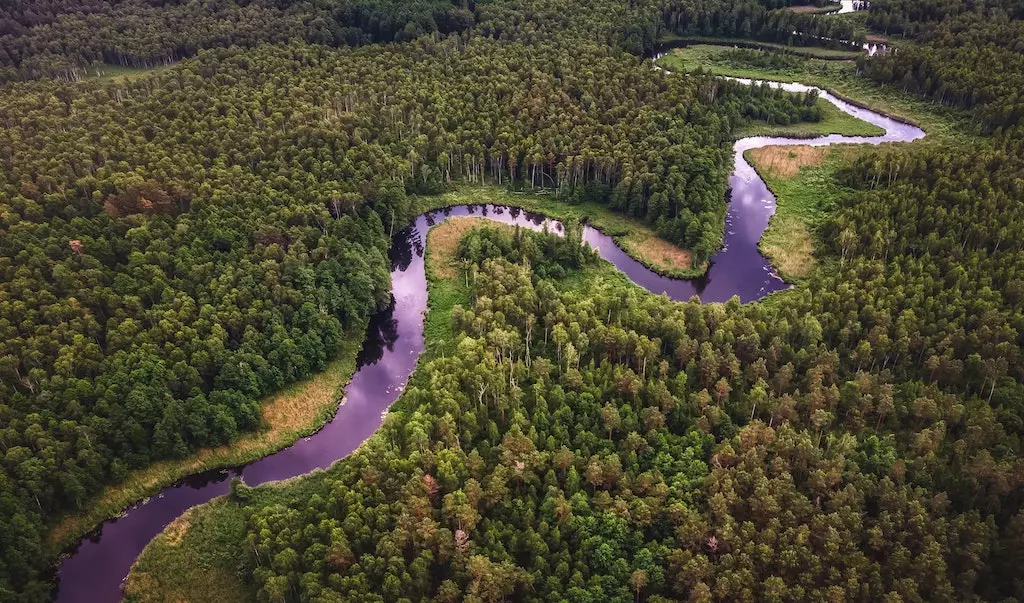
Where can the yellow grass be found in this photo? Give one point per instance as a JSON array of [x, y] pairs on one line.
[[785, 162], [294, 412], [176, 530], [803, 180], [188, 564], [443, 242], [656, 252], [790, 246], [209, 587]]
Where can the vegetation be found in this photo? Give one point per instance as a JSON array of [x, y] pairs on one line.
[[792, 52], [966, 59], [71, 38], [638, 239], [803, 180], [195, 558], [833, 121], [615, 463], [809, 8], [119, 73], [841, 78], [746, 19], [295, 412], [178, 247]]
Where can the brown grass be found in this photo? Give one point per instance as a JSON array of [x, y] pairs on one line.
[[207, 586], [443, 242], [657, 252], [177, 529], [291, 413], [785, 162], [790, 246]]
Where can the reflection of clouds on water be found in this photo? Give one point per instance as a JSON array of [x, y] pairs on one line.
[[395, 339]]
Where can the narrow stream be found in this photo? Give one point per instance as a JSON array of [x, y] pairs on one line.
[[96, 568]]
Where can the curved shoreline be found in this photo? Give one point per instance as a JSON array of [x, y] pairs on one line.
[[88, 571], [71, 537]]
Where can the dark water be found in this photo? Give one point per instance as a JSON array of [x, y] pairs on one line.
[[95, 570]]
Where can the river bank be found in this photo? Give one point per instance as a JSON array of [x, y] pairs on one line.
[[737, 270], [297, 411]]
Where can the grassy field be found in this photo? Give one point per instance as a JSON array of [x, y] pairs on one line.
[[196, 558], [294, 412], [446, 281], [805, 51], [636, 238], [840, 77], [815, 10], [802, 178]]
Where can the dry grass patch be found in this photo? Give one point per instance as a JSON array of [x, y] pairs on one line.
[[789, 245], [175, 530], [294, 412], [212, 585], [443, 243], [658, 253], [196, 558], [786, 162]]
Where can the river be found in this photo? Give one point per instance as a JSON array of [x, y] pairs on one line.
[[94, 571]]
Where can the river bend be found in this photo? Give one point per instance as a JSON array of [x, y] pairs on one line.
[[94, 571]]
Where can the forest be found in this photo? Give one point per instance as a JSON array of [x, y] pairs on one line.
[[64, 38], [178, 245]]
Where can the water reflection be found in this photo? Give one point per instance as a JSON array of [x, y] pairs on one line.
[[381, 335], [394, 340]]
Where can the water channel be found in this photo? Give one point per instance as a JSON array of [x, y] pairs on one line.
[[94, 571]]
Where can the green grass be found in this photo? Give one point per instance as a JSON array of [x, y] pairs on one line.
[[636, 238], [803, 180], [447, 288], [839, 77], [196, 558], [120, 73], [805, 51], [834, 122], [816, 10], [294, 412], [202, 557]]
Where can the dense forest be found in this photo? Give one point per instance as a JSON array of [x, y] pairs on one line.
[[609, 445], [951, 42], [856, 438], [174, 247], [757, 20], [65, 37]]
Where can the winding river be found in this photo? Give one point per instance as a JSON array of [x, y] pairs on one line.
[[95, 570]]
